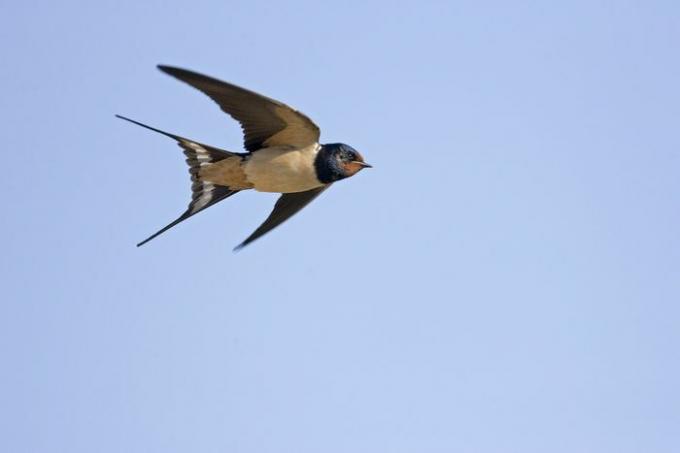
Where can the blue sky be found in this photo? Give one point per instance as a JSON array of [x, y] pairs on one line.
[[506, 279]]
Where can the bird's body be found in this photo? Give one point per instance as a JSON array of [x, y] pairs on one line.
[[278, 169], [284, 155], [284, 170]]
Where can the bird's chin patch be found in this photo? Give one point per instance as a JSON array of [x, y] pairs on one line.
[[352, 168]]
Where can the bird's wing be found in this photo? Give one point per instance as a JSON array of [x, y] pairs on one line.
[[265, 122], [203, 193], [286, 206]]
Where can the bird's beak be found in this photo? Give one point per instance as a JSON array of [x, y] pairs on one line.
[[363, 164]]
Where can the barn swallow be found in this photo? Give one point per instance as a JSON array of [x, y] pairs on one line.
[[283, 155]]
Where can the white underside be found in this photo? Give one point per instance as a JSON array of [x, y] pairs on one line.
[[282, 169]]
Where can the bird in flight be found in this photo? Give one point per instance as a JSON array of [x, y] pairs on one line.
[[283, 155]]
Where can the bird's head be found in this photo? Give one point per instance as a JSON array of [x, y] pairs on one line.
[[337, 161]]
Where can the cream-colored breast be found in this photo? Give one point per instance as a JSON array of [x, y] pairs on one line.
[[282, 169]]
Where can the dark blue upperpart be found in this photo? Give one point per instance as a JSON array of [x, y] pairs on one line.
[[330, 160]]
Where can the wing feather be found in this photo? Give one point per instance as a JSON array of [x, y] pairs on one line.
[[286, 206], [265, 122]]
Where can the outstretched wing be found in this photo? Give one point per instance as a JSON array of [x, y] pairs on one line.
[[286, 206], [265, 121], [203, 193]]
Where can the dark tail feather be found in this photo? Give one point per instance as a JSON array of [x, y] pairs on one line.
[[189, 146], [145, 126], [204, 193], [220, 193]]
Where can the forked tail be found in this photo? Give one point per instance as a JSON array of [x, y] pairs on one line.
[[204, 193]]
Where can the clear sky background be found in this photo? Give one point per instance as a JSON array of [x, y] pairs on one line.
[[506, 279]]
